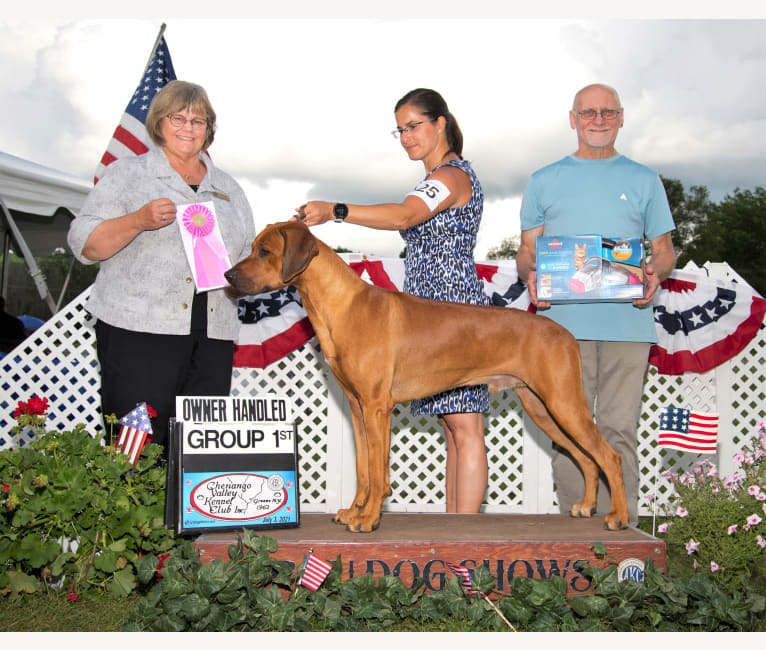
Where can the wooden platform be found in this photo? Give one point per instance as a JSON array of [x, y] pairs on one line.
[[416, 545]]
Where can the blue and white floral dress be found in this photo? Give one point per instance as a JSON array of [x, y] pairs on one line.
[[439, 265]]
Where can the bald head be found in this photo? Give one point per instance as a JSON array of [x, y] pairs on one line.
[[583, 91]]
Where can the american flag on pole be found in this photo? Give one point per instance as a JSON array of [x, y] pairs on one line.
[[133, 433], [314, 573], [130, 137], [688, 431], [465, 578]]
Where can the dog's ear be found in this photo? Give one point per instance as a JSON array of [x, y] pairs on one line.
[[300, 248]]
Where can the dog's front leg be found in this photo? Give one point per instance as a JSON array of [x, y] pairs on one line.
[[377, 424], [345, 515]]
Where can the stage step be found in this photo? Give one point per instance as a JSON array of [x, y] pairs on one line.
[[412, 545]]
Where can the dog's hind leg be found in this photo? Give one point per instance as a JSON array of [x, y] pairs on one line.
[[536, 409], [578, 423]]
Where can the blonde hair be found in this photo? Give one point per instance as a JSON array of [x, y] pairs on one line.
[[178, 96]]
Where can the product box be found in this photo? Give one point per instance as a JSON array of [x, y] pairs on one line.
[[589, 268]]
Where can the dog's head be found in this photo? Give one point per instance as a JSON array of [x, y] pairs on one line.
[[280, 253]]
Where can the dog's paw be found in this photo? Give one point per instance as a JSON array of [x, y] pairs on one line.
[[362, 527], [614, 522], [343, 516], [581, 510]]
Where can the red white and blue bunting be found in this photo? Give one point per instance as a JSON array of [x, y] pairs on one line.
[[701, 322]]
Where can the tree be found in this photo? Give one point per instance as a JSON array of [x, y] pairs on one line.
[[690, 210], [734, 232], [506, 249]]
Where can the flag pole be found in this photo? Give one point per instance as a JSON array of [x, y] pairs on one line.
[[154, 49], [499, 613]]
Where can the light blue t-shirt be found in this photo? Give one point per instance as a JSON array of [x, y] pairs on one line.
[[613, 197]]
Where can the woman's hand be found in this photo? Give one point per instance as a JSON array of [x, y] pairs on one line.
[[155, 214], [314, 213], [112, 235]]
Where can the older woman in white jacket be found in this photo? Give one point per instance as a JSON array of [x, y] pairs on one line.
[[157, 335]]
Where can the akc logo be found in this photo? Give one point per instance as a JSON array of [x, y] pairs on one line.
[[630, 569]]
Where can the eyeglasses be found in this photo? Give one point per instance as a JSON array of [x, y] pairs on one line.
[[606, 114], [179, 121], [410, 127]]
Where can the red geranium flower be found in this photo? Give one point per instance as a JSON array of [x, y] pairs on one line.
[[73, 596], [161, 563], [34, 406], [6, 488], [152, 413]]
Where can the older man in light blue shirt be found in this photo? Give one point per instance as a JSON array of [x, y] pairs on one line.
[[598, 190]]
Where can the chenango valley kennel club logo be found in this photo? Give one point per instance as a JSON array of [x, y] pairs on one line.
[[239, 462], [237, 497]]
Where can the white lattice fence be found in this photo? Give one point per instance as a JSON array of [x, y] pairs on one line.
[[59, 362]]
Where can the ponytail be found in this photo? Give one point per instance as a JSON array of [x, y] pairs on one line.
[[432, 104]]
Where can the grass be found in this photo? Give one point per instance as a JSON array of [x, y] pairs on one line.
[[52, 612]]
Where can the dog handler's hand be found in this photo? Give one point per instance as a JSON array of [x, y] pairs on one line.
[[156, 214], [314, 213]]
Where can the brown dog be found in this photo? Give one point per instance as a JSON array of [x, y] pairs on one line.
[[386, 347]]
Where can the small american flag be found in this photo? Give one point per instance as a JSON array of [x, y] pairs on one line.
[[688, 431], [314, 572], [465, 578], [130, 137], [133, 433]]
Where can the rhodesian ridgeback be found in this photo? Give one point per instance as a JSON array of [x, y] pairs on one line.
[[385, 347]]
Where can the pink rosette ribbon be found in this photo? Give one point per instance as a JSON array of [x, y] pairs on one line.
[[210, 255]]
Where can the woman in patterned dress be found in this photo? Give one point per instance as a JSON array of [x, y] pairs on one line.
[[439, 221]]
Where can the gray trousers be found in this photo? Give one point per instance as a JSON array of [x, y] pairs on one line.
[[613, 378]]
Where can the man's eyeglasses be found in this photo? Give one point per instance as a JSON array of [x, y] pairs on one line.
[[410, 127], [179, 121], [606, 114]]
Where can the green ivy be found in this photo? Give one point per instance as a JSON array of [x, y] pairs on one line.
[[68, 486], [253, 592]]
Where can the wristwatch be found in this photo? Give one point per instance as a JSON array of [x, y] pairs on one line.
[[340, 212]]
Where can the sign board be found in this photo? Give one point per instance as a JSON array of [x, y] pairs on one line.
[[233, 464]]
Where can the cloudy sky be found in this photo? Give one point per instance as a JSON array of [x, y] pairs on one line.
[[305, 105]]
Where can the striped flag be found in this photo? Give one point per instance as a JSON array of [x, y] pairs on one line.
[[314, 572], [130, 137], [134, 430], [465, 578], [688, 431]]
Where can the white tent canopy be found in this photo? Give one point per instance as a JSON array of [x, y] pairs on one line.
[[37, 204], [28, 187]]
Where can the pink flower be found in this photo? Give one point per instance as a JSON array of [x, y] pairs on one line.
[[713, 566], [733, 529], [713, 471], [681, 512], [749, 460], [753, 490], [761, 496], [662, 528], [731, 481], [760, 541], [739, 459], [759, 453], [754, 520], [692, 546]]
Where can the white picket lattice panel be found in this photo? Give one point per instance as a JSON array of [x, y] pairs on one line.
[[59, 362]]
